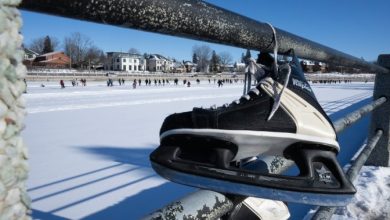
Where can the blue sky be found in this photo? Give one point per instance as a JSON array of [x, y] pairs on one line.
[[359, 27]]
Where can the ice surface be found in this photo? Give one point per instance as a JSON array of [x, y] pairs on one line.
[[89, 146]]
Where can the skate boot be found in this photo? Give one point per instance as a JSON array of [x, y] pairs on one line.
[[280, 116]]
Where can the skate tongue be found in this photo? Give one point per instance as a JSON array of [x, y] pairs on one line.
[[259, 71]]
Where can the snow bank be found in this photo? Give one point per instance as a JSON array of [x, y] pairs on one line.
[[372, 200], [340, 75]]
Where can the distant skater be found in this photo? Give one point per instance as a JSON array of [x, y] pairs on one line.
[[62, 84], [25, 85]]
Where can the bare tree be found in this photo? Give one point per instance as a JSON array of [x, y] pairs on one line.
[[215, 62], [133, 51], [94, 56], [38, 44], [203, 53], [55, 43], [225, 58], [76, 47]]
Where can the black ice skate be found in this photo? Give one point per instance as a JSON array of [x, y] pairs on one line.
[[281, 116]]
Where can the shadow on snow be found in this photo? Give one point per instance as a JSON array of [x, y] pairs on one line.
[[132, 207]]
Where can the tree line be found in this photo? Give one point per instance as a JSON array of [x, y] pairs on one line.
[[78, 47], [208, 60], [84, 53]]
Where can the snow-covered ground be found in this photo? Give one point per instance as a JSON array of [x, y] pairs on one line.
[[372, 200], [89, 146]]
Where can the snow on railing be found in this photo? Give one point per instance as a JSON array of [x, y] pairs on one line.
[[217, 25], [352, 117], [14, 201]]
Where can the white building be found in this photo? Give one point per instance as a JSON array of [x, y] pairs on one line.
[[190, 66], [118, 61], [159, 63], [309, 66], [239, 67], [29, 54]]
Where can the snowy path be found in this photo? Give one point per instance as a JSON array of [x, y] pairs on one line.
[[89, 146]]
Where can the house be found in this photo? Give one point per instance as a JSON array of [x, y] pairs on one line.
[[159, 63], [29, 57], [118, 61], [189, 66], [310, 66], [227, 68], [29, 54], [239, 67], [178, 67], [55, 59]]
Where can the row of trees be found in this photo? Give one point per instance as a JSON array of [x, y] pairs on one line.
[[208, 60], [83, 53], [80, 48]]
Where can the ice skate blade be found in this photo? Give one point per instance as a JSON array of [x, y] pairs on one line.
[[272, 143], [226, 186]]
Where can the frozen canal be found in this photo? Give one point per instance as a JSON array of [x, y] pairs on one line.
[[89, 146]]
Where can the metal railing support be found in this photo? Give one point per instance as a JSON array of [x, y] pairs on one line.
[[352, 117], [325, 213], [381, 117], [198, 20], [14, 166]]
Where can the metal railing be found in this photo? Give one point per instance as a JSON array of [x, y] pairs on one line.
[[198, 20]]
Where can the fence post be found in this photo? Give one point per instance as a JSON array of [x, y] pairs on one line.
[[14, 201], [381, 116]]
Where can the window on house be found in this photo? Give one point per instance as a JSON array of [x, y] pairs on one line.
[[129, 67], [135, 68], [117, 60], [124, 67], [124, 60], [117, 67]]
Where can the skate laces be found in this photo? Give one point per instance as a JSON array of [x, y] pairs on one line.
[[259, 71]]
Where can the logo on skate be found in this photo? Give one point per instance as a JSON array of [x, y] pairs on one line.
[[324, 175], [301, 84]]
